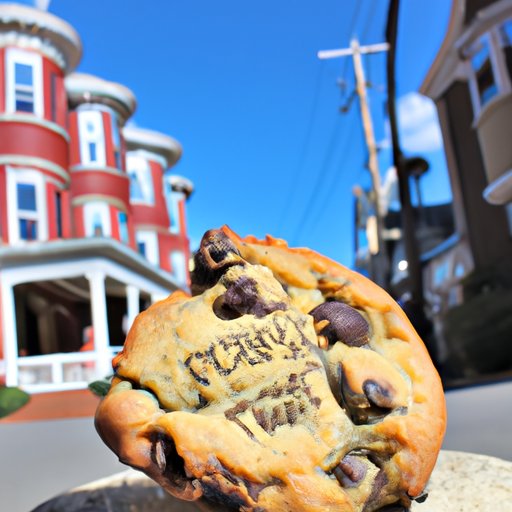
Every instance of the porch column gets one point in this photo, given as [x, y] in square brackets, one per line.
[132, 304]
[100, 323]
[9, 334]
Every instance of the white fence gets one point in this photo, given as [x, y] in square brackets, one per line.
[62, 371]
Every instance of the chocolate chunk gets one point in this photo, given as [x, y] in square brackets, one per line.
[350, 471]
[215, 255]
[346, 324]
[242, 298]
[378, 394]
[369, 407]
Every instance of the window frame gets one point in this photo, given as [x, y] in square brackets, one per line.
[138, 166]
[150, 241]
[124, 232]
[32, 177]
[17, 56]
[499, 70]
[173, 199]
[178, 263]
[96, 137]
[89, 212]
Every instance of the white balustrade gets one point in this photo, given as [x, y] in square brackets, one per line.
[62, 371]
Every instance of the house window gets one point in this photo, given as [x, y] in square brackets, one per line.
[97, 219]
[122, 220]
[27, 211]
[53, 96]
[490, 64]
[24, 82]
[58, 213]
[92, 138]
[26, 205]
[116, 141]
[483, 70]
[173, 200]
[141, 182]
[505, 32]
[147, 243]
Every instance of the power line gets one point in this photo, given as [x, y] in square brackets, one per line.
[318, 182]
[353, 21]
[330, 185]
[369, 20]
[305, 146]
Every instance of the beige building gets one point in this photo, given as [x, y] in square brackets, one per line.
[469, 279]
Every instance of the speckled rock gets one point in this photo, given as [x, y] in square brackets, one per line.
[467, 482]
[461, 482]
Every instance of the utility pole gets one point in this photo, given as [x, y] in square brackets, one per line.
[380, 264]
[415, 307]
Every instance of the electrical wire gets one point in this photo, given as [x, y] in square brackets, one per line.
[352, 26]
[318, 182]
[322, 175]
[296, 179]
[330, 182]
[369, 19]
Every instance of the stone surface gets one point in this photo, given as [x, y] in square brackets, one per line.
[461, 482]
[466, 482]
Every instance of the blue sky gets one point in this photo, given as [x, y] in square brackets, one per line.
[240, 86]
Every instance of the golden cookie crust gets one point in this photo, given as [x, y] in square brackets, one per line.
[287, 382]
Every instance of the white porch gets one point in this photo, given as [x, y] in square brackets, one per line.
[105, 288]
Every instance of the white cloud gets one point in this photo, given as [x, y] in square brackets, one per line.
[418, 123]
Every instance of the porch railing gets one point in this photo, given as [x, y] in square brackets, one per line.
[61, 371]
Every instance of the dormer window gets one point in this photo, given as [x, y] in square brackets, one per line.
[24, 82]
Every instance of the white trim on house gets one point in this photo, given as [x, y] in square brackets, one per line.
[32, 161]
[15, 56]
[97, 270]
[148, 155]
[21, 117]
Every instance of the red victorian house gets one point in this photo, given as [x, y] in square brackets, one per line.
[92, 225]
